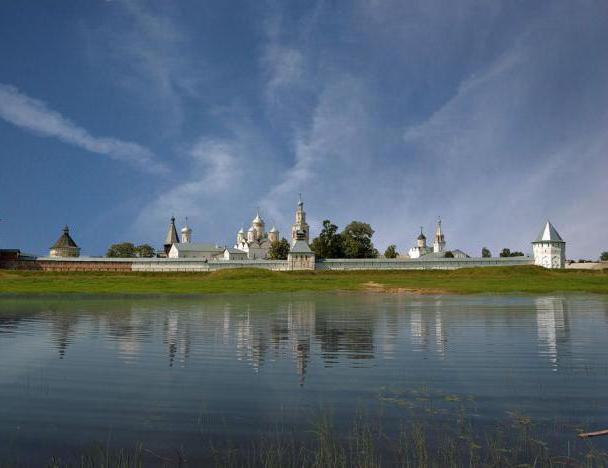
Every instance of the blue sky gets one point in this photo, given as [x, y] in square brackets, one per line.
[115, 115]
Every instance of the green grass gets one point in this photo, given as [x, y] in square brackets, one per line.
[524, 279]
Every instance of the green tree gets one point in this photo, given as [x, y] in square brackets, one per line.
[485, 253]
[391, 251]
[449, 254]
[329, 242]
[604, 257]
[144, 251]
[279, 250]
[122, 250]
[507, 253]
[357, 241]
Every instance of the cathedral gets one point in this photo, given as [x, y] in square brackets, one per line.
[256, 243]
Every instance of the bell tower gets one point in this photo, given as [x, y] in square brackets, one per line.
[300, 226]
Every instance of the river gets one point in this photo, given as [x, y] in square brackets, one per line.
[194, 379]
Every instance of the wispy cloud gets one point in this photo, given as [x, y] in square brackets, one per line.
[148, 53]
[34, 115]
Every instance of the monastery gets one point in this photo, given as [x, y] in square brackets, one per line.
[251, 249]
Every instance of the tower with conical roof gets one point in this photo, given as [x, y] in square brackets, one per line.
[65, 246]
[549, 248]
[439, 243]
[172, 237]
[300, 226]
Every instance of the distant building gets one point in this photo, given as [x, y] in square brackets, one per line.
[233, 254]
[65, 246]
[193, 250]
[438, 250]
[300, 225]
[172, 237]
[439, 243]
[421, 248]
[186, 233]
[300, 256]
[256, 243]
[549, 248]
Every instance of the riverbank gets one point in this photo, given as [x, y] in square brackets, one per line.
[524, 279]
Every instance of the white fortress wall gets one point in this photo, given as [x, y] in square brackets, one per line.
[418, 264]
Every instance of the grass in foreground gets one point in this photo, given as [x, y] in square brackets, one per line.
[524, 279]
[417, 443]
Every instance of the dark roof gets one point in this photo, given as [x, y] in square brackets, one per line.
[65, 240]
[421, 236]
[172, 236]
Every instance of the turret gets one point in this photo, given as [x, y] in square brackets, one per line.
[251, 234]
[65, 246]
[172, 237]
[273, 234]
[421, 239]
[549, 248]
[186, 233]
[240, 236]
[439, 243]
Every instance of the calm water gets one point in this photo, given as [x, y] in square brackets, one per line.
[179, 372]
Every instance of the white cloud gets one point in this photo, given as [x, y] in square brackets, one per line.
[148, 53]
[34, 115]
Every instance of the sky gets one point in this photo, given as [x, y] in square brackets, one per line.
[117, 114]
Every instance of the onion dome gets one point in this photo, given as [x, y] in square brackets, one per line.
[274, 229]
[421, 236]
[258, 219]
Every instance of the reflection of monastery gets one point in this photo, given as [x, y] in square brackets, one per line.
[251, 249]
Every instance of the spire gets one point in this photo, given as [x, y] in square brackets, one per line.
[172, 237]
[421, 236]
[300, 202]
[438, 231]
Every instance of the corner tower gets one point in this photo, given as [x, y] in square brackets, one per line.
[549, 248]
[65, 246]
[300, 226]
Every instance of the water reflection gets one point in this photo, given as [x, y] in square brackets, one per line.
[553, 327]
[145, 366]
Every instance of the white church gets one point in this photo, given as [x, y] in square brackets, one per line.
[252, 245]
[438, 250]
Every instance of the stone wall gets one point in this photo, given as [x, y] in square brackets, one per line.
[197, 265]
[418, 264]
[67, 265]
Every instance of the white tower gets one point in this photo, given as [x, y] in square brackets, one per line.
[186, 233]
[240, 236]
[549, 248]
[439, 244]
[300, 225]
[273, 234]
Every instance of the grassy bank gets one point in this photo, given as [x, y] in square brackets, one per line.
[526, 279]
